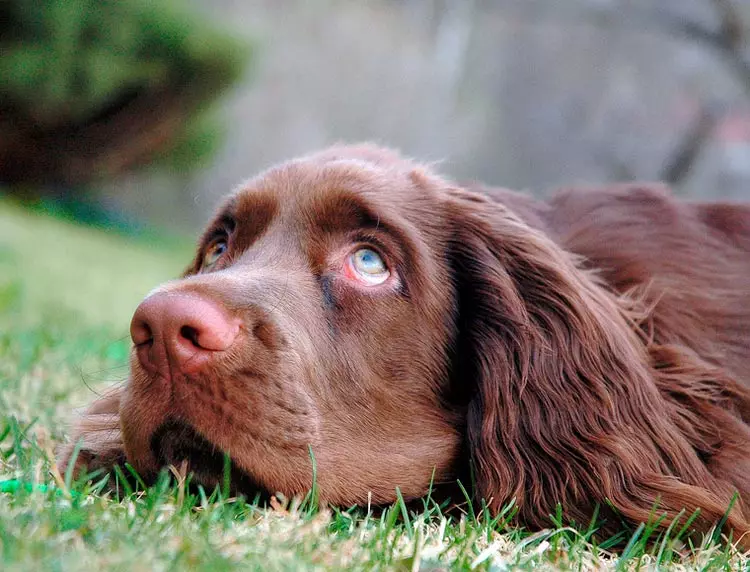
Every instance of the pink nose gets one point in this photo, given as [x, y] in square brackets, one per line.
[180, 333]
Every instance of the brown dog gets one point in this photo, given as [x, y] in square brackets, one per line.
[592, 349]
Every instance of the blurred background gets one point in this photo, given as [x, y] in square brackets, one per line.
[144, 113]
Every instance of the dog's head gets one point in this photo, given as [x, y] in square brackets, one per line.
[318, 316]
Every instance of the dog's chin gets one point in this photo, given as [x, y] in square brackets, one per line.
[178, 444]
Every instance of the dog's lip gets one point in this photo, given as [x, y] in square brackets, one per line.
[175, 442]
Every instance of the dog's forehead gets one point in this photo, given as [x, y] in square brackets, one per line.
[303, 178]
[303, 186]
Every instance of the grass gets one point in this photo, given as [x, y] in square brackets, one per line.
[66, 295]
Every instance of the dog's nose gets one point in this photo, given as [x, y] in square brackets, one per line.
[175, 332]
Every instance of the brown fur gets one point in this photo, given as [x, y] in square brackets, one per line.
[591, 349]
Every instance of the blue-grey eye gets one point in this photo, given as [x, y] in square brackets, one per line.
[214, 253]
[369, 266]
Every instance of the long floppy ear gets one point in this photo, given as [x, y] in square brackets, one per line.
[98, 432]
[562, 402]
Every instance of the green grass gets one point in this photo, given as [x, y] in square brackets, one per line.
[66, 295]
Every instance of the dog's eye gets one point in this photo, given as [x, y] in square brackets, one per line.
[214, 253]
[368, 267]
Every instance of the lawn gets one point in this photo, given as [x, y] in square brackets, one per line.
[66, 295]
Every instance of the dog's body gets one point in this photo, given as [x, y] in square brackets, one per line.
[590, 349]
[689, 261]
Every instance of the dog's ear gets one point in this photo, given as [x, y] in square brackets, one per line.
[562, 402]
[96, 437]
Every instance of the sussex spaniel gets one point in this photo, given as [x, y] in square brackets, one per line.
[593, 349]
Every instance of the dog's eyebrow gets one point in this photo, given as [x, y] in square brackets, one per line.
[252, 213]
[346, 211]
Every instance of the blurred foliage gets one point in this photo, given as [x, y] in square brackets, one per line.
[75, 69]
[199, 140]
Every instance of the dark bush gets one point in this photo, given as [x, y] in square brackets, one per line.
[90, 88]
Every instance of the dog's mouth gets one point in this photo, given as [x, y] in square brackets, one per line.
[176, 443]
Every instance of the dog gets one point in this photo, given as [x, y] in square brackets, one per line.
[357, 309]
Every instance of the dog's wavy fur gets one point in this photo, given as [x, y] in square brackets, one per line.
[593, 349]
